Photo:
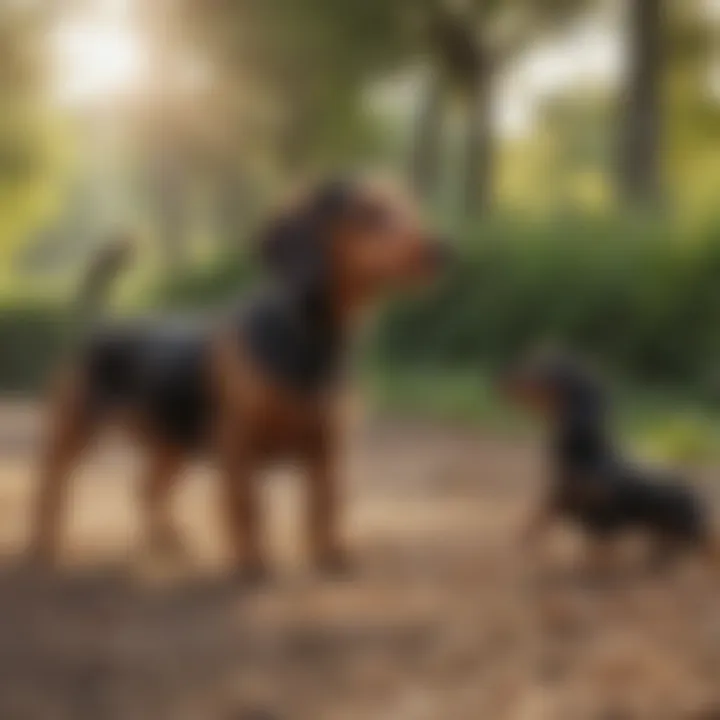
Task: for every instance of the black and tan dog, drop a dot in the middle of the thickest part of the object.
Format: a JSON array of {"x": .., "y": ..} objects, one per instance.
[
  {"x": 260, "y": 385},
  {"x": 590, "y": 483}
]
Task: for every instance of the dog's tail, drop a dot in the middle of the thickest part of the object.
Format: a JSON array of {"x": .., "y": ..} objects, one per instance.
[
  {"x": 97, "y": 280},
  {"x": 103, "y": 269}
]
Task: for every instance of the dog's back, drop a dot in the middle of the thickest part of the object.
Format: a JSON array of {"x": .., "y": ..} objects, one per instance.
[
  {"x": 662, "y": 503},
  {"x": 158, "y": 371}
]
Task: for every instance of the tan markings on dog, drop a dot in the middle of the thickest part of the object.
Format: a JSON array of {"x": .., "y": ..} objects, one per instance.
[
  {"x": 378, "y": 245},
  {"x": 68, "y": 430}
]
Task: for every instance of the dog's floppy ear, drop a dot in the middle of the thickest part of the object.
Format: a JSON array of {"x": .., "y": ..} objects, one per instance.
[
  {"x": 294, "y": 245},
  {"x": 285, "y": 245},
  {"x": 582, "y": 393},
  {"x": 589, "y": 405}
]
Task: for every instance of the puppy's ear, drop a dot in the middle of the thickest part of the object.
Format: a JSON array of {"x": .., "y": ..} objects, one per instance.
[
  {"x": 589, "y": 406},
  {"x": 584, "y": 396},
  {"x": 294, "y": 246}
]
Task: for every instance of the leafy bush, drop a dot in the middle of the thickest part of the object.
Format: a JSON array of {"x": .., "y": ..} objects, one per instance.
[
  {"x": 638, "y": 297},
  {"x": 31, "y": 338},
  {"x": 642, "y": 297},
  {"x": 212, "y": 284}
]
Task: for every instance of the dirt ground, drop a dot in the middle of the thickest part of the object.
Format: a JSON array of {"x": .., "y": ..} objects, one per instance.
[{"x": 446, "y": 616}]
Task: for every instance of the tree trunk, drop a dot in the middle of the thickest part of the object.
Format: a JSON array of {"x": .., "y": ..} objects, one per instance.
[
  {"x": 427, "y": 139},
  {"x": 639, "y": 162},
  {"x": 479, "y": 151}
]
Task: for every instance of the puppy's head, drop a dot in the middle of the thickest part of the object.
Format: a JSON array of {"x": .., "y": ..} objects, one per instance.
[
  {"x": 353, "y": 237},
  {"x": 557, "y": 386}
]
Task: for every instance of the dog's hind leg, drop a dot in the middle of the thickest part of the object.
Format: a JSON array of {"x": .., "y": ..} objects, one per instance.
[
  {"x": 162, "y": 471},
  {"x": 323, "y": 508},
  {"x": 70, "y": 428},
  {"x": 241, "y": 507}
]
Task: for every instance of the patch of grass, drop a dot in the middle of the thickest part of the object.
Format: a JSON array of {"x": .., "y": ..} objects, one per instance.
[
  {"x": 666, "y": 426},
  {"x": 670, "y": 426},
  {"x": 460, "y": 397}
]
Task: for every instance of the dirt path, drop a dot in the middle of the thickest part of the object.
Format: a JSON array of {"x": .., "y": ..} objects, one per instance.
[{"x": 446, "y": 616}]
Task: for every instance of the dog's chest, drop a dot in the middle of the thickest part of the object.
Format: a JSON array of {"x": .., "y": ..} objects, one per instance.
[
  {"x": 295, "y": 344},
  {"x": 266, "y": 417},
  {"x": 280, "y": 424}
]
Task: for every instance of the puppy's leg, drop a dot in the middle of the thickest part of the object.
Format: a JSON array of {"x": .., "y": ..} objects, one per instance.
[
  {"x": 537, "y": 525},
  {"x": 323, "y": 511},
  {"x": 161, "y": 535},
  {"x": 70, "y": 428},
  {"x": 545, "y": 513}
]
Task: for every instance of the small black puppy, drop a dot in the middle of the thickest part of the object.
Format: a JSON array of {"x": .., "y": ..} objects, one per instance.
[{"x": 591, "y": 484}]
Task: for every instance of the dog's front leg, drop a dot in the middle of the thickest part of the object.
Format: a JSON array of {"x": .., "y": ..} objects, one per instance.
[
  {"x": 162, "y": 537},
  {"x": 537, "y": 526},
  {"x": 242, "y": 514},
  {"x": 323, "y": 509}
]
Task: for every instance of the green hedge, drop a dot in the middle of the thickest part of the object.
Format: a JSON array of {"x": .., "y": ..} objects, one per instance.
[
  {"x": 32, "y": 337},
  {"x": 210, "y": 285},
  {"x": 642, "y": 297}
]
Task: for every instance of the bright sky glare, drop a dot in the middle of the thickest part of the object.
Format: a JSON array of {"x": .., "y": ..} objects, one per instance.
[
  {"x": 589, "y": 56},
  {"x": 99, "y": 55},
  {"x": 96, "y": 57}
]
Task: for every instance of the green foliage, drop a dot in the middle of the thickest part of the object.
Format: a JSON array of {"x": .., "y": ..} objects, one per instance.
[
  {"x": 635, "y": 295},
  {"x": 639, "y": 296},
  {"x": 468, "y": 397},
  {"x": 655, "y": 427},
  {"x": 29, "y": 158},
  {"x": 682, "y": 439},
  {"x": 32, "y": 338},
  {"x": 213, "y": 284}
]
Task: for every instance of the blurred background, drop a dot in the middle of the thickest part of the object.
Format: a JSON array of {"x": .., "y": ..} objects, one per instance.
[
  {"x": 572, "y": 150},
  {"x": 570, "y": 146}
]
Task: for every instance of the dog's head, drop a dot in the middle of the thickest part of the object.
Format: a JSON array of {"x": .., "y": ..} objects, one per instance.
[
  {"x": 558, "y": 386},
  {"x": 353, "y": 238}
]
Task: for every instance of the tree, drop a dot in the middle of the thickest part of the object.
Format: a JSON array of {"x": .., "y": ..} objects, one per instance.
[
  {"x": 311, "y": 60},
  {"x": 427, "y": 131},
  {"x": 26, "y": 145},
  {"x": 469, "y": 44},
  {"x": 639, "y": 165},
  {"x": 283, "y": 96},
  {"x": 691, "y": 123}
]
